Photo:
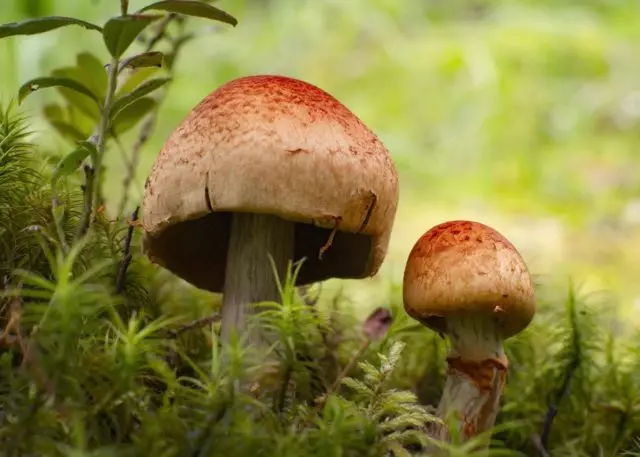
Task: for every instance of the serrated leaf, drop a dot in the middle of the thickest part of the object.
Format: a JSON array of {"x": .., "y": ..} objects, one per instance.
[
  {"x": 42, "y": 25},
  {"x": 72, "y": 161},
  {"x": 94, "y": 75},
  {"x": 119, "y": 32},
  {"x": 142, "y": 90},
  {"x": 192, "y": 8},
  {"x": 147, "y": 59},
  {"x": 129, "y": 116},
  {"x": 49, "y": 81}
]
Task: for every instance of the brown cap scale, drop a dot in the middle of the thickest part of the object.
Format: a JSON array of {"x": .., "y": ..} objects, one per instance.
[
  {"x": 284, "y": 166},
  {"x": 465, "y": 280}
]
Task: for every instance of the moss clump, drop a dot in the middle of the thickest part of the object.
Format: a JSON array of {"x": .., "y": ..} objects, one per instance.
[{"x": 91, "y": 367}]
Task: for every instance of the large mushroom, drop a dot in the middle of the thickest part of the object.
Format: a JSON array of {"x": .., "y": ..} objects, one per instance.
[
  {"x": 465, "y": 280},
  {"x": 268, "y": 166}
]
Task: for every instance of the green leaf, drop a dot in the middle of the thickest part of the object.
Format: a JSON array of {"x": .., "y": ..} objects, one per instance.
[
  {"x": 93, "y": 73},
  {"x": 147, "y": 59},
  {"x": 80, "y": 120},
  {"x": 67, "y": 131},
  {"x": 142, "y": 90},
  {"x": 41, "y": 25},
  {"x": 128, "y": 117},
  {"x": 85, "y": 105},
  {"x": 72, "y": 161},
  {"x": 192, "y": 8},
  {"x": 119, "y": 32},
  {"x": 89, "y": 146},
  {"x": 46, "y": 81},
  {"x": 136, "y": 78},
  {"x": 56, "y": 116}
]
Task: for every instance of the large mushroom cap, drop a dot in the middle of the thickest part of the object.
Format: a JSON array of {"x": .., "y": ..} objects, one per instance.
[
  {"x": 270, "y": 145},
  {"x": 464, "y": 268}
]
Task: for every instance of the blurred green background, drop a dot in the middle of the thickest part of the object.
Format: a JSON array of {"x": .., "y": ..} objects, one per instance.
[{"x": 524, "y": 115}]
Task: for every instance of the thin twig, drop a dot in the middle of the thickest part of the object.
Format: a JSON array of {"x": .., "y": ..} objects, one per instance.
[
  {"x": 535, "y": 440},
  {"x": 126, "y": 252},
  {"x": 132, "y": 165},
  {"x": 573, "y": 365},
  {"x": 160, "y": 32},
  {"x": 345, "y": 371},
  {"x": 553, "y": 408},
  {"x": 198, "y": 323}
]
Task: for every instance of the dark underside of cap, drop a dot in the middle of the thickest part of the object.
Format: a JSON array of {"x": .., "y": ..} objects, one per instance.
[{"x": 196, "y": 250}]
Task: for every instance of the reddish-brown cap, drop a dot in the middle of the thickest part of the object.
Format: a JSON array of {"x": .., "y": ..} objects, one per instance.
[
  {"x": 270, "y": 145},
  {"x": 463, "y": 268}
]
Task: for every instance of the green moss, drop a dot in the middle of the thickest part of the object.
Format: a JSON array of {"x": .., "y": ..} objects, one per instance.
[{"x": 98, "y": 372}]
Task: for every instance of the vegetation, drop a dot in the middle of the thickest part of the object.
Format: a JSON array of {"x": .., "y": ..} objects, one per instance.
[{"x": 98, "y": 357}]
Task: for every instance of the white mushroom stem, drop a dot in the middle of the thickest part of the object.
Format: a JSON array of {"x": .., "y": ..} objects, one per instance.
[
  {"x": 476, "y": 377},
  {"x": 249, "y": 273}
]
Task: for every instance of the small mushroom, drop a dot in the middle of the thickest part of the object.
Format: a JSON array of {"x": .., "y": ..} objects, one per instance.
[
  {"x": 465, "y": 280},
  {"x": 268, "y": 165}
]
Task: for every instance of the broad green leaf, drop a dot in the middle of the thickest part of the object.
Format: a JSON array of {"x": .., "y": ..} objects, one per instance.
[
  {"x": 119, "y": 32},
  {"x": 76, "y": 99},
  {"x": 89, "y": 146},
  {"x": 132, "y": 114},
  {"x": 192, "y": 8},
  {"x": 67, "y": 131},
  {"x": 56, "y": 116},
  {"x": 94, "y": 75},
  {"x": 147, "y": 59},
  {"x": 47, "y": 81},
  {"x": 41, "y": 25},
  {"x": 80, "y": 120},
  {"x": 142, "y": 90},
  {"x": 72, "y": 161},
  {"x": 53, "y": 112},
  {"x": 136, "y": 78}
]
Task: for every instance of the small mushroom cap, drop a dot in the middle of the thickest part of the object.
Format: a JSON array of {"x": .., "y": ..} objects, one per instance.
[
  {"x": 464, "y": 268},
  {"x": 270, "y": 145}
]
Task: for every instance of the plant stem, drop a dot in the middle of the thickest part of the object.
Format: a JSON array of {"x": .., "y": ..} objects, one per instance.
[{"x": 99, "y": 139}]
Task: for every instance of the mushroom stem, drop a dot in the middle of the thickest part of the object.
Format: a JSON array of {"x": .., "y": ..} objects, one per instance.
[
  {"x": 249, "y": 273},
  {"x": 476, "y": 376}
]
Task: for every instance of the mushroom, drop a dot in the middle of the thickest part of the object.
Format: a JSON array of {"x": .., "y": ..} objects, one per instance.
[
  {"x": 465, "y": 280},
  {"x": 268, "y": 166}
]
